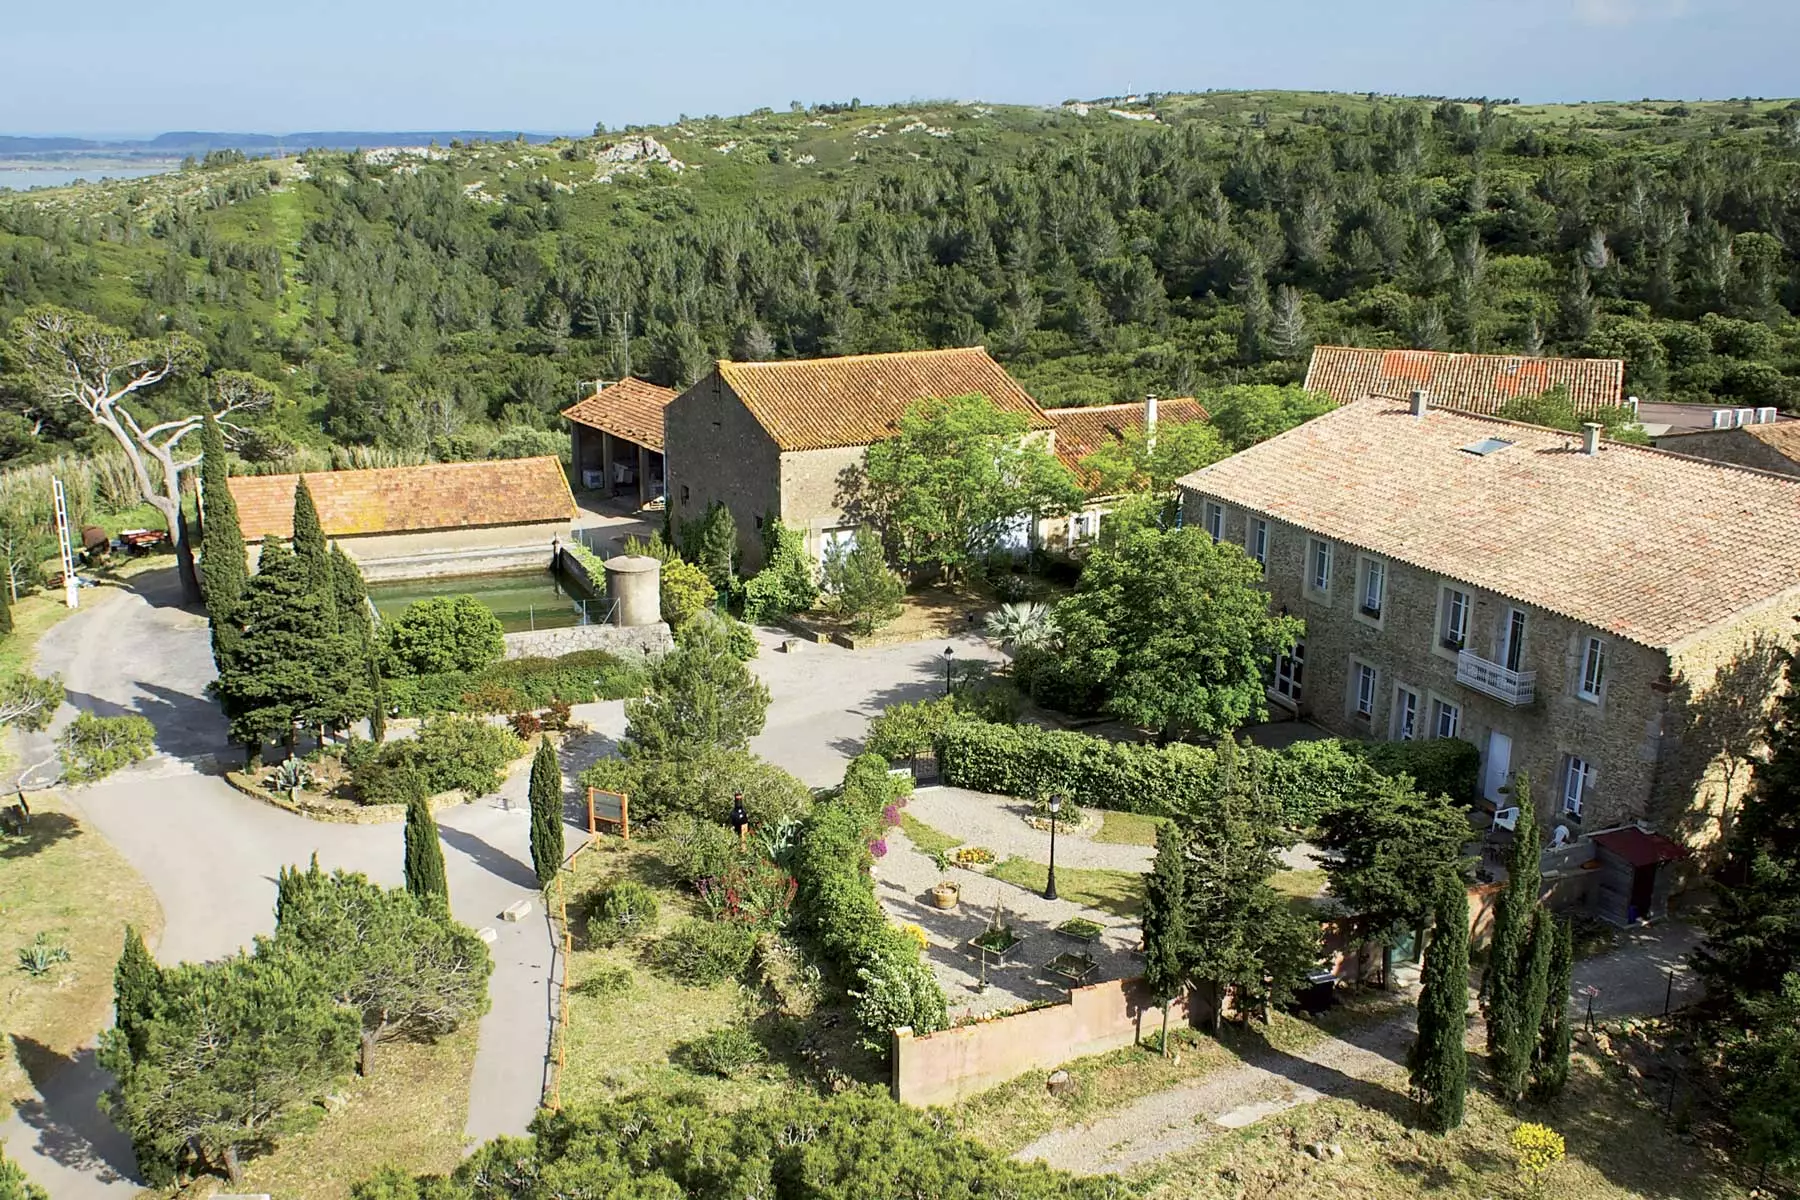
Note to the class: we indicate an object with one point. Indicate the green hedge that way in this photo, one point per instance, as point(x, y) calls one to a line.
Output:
point(516, 684)
point(1308, 778)
point(837, 905)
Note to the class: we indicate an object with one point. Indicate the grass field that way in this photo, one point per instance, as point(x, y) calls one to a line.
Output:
point(1127, 829)
point(1120, 893)
point(64, 880)
point(927, 839)
point(410, 1114)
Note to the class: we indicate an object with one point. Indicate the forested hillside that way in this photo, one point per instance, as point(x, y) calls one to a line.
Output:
point(423, 301)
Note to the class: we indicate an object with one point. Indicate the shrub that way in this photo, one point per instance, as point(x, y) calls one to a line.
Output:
point(526, 725)
point(901, 731)
point(605, 981)
point(443, 633)
point(94, 747)
point(686, 592)
point(556, 715)
point(836, 899)
point(788, 582)
point(703, 953)
point(703, 787)
point(696, 849)
point(741, 639)
point(1441, 766)
point(519, 683)
point(451, 753)
point(623, 911)
point(29, 701)
point(522, 441)
point(39, 955)
point(725, 1052)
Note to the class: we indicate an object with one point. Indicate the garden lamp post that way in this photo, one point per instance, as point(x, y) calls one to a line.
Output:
point(1050, 886)
point(948, 654)
point(740, 818)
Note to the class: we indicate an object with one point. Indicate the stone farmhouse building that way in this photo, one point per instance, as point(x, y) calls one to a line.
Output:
point(414, 522)
point(772, 440)
point(1478, 383)
point(1600, 618)
point(616, 439)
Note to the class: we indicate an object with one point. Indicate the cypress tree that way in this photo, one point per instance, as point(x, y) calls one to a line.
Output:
point(424, 856)
point(1550, 1070)
point(136, 980)
point(312, 551)
point(1502, 983)
point(1165, 922)
point(378, 696)
point(546, 813)
point(1514, 1064)
point(5, 613)
point(351, 592)
point(223, 573)
point(1439, 1061)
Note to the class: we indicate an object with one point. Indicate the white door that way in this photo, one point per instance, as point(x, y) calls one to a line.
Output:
point(1499, 766)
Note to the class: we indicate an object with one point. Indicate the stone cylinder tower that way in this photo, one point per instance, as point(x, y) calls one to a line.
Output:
point(635, 581)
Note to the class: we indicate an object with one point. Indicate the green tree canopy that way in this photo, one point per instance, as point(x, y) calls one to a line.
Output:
point(699, 698)
point(1172, 632)
point(956, 478)
point(1141, 461)
point(1166, 950)
point(1250, 413)
point(860, 587)
point(425, 877)
point(443, 633)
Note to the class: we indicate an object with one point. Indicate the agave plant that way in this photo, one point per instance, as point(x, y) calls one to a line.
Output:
point(40, 954)
point(292, 776)
point(1023, 625)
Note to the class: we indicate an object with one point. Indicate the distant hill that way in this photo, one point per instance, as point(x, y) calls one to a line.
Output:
point(186, 142)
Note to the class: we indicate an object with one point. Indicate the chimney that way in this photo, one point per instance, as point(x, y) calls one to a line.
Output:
point(1421, 400)
point(1590, 438)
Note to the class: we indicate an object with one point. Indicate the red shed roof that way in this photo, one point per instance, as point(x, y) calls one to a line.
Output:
point(1641, 849)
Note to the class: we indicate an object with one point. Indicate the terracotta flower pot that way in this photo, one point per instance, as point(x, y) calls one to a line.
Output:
point(945, 895)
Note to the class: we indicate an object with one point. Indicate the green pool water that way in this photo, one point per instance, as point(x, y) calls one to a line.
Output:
point(521, 599)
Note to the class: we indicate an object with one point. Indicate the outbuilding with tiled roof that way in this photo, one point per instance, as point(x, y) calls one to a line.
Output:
point(1479, 383)
point(616, 438)
point(437, 518)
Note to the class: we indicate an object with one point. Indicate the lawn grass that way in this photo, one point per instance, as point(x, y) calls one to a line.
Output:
point(929, 841)
point(1619, 1148)
point(1120, 893)
point(410, 1114)
point(1127, 829)
point(1305, 890)
point(65, 880)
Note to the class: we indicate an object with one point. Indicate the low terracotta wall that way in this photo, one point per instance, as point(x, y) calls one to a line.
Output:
point(938, 1068)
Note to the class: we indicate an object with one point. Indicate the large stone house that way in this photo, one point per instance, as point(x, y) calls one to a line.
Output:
point(772, 440)
point(1597, 617)
point(437, 519)
point(1479, 383)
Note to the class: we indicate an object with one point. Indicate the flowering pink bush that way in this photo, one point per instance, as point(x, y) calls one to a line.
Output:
point(878, 847)
point(891, 815)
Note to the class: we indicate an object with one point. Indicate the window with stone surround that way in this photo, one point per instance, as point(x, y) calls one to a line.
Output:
point(1593, 669)
point(1362, 690)
point(1371, 587)
point(1318, 559)
point(1578, 784)
point(1406, 713)
point(1453, 618)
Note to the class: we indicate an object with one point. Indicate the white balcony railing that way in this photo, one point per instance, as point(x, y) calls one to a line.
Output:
point(1492, 679)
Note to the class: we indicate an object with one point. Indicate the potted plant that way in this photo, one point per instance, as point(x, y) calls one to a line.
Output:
point(946, 893)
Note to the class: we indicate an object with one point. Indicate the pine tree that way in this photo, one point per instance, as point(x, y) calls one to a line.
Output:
point(1502, 982)
point(1550, 1068)
point(424, 855)
point(311, 549)
point(223, 573)
point(135, 981)
point(1165, 922)
point(546, 813)
point(1439, 1060)
point(1513, 1065)
point(716, 547)
point(13, 1184)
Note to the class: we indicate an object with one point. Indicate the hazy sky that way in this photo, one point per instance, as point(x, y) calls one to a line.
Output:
point(123, 66)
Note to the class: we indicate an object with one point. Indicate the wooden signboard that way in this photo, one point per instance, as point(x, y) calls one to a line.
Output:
point(609, 808)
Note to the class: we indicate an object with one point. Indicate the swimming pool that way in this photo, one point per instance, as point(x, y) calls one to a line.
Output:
point(523, 600)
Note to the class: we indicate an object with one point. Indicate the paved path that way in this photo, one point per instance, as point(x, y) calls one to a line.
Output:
point(1633, 979)
point(212, 856)
point(998, 822)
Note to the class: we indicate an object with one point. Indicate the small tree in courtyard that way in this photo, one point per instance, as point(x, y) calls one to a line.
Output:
point(1438, 1061)
point(700, 698)
point(425, 876)
point(862, 589)
point(1165, 922)
point(546, 813)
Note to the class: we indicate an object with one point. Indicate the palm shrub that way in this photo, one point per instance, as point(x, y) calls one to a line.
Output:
point(1024, 625)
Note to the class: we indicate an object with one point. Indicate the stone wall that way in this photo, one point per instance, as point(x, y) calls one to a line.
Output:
point(811, 481)
point(645, 641)
point(942, 1067)
point(438, 552)
point(1730, 446)
point(716, 451)
point(1620, 736)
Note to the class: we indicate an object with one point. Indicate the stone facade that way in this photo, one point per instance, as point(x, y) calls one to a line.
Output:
point(1647, 751)
point(717, 452)
point(1737, 446)
point(811, 483)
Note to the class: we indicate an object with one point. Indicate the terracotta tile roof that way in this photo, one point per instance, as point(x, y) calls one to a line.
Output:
point(1081, 431)
point(510, 491)
point(631, 409)
point(1652, 546)
point(1473, 382)
point(816, 404)
point(1783, 437)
